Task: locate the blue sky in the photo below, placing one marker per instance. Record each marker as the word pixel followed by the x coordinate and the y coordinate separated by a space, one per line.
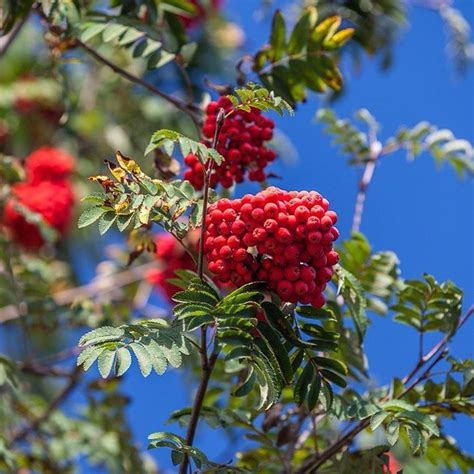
pixel 423 214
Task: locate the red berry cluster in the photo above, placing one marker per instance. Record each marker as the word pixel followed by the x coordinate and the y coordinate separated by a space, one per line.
pixel 49 164
pixel 171 256
pixel 283 238
pixel 241 143
pixel 46 191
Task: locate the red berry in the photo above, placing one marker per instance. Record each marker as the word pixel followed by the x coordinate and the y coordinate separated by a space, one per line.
pixel 308 274
pixel 302 213
pixel 238 227
pixel 225 252
pixel 292 273
pixel 284 236
pixel 332 257
pixel 240 255
pixel 301 288
pixel 284 288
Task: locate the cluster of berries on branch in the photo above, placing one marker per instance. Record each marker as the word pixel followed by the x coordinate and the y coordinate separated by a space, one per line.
pixel 241 142
pixel 46 191
pixel 280 237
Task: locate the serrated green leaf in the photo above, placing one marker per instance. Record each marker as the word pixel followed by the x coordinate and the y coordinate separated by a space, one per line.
pixel 106 221
pixel 143 357
pixel 246 387
pixel 89 216
pixel 392 432
pixel 88 356
pixel 102 334
pixel 105 362
pixel 123 360
pixel 378 419
pixel 333 377
pixel 313 393
pixel 300 390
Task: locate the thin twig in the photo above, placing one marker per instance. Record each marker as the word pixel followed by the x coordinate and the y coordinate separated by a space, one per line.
pixel 207 184
pixel 436 353
pixel 375 151
pixel 99 286
pixel 207 363
pixel 190 109
pixel 45 371
pixel 54 404
pixel 187 80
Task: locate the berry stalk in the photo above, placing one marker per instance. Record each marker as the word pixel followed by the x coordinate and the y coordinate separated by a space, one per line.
pixel 207 363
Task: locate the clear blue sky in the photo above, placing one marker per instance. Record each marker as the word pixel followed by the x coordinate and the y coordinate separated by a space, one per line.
pixel 423 214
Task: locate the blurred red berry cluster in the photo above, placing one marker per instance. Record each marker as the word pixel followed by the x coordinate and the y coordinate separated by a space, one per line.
pixel 30 102
pixel 393 466
pixel 46 191
pixel 241 143
pixel 201 12
pixel 170 256
pixel 283 238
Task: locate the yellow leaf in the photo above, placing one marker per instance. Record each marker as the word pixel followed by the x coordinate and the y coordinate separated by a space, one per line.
pixel 343 36
pixel 128 164
pixel 326 28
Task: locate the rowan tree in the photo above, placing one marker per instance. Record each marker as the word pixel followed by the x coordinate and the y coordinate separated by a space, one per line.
pixel 265 305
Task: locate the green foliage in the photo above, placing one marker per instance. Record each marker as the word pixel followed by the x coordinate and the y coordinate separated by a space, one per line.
pixel 12 11
pixel 9 376
pixel 353 293
pixel 131 199
pixel 293 380
pixel 459 45
pixel 377 273
pixel 376 23
pixel 395 414
pixel 260 98
pixel 154 343
pixel 441 144
pixel 167 139
pixel 429 306
pixel 179 448
pixel 368 460
pixel 305 60
pixel 139 39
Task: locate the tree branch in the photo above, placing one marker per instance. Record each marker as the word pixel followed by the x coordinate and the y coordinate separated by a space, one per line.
pixel 375 151
pixel 99 286
pixel 54 404
pixel 190 109
pixel 436 353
